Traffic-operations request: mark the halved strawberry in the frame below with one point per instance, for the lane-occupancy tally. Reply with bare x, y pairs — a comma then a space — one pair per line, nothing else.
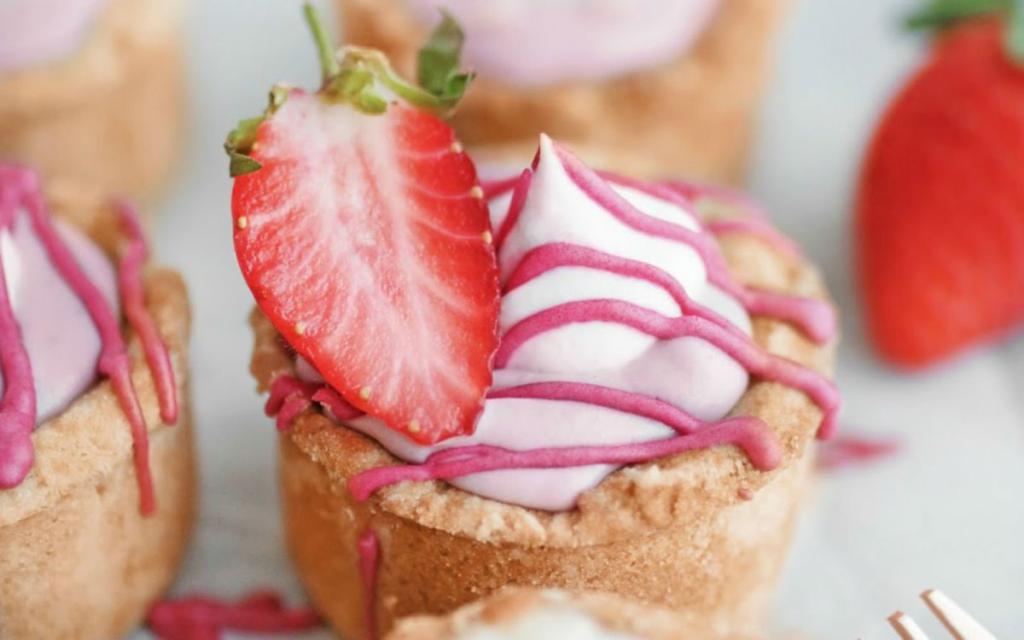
363, 234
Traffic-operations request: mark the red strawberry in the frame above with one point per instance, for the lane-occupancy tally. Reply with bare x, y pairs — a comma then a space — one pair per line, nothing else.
940, 218
362, 232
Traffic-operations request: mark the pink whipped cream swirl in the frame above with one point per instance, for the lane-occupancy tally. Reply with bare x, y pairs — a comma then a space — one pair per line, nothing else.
59, 326
624, 339
571, 40
34, 32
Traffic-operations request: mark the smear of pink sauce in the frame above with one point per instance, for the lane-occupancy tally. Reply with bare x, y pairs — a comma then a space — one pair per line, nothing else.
198, 617
846, 451
21, 186
368, 548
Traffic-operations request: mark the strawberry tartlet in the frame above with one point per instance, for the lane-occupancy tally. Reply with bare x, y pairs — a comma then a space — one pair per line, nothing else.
632, 86
92, 90
97, 475
562, 378
537, 614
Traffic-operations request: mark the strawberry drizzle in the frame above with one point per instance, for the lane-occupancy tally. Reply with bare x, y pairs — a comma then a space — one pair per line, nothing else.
521, 187
18, 406
130, 282
636, 404
751, 435
814, 317
743, 350
22, 188
199, 617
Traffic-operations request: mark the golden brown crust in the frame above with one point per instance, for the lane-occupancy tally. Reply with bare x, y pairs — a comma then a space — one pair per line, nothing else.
503, 608
675, 531
110, 115
76, 558
650, 123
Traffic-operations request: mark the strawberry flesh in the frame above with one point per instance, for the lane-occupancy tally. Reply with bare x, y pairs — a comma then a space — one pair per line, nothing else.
366, 242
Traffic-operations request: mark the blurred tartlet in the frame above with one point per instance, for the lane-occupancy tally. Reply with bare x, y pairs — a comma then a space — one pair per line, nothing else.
92, 526
93, 90
652, 89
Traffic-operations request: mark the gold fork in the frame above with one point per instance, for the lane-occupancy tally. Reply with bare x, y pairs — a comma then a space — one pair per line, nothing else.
958, 622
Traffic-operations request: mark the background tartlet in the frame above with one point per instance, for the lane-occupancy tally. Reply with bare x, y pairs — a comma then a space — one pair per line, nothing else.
77, 559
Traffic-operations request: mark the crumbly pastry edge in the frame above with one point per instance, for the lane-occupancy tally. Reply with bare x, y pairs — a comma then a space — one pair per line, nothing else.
635, 500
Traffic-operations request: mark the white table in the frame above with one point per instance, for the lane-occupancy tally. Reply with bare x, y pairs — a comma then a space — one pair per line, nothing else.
947, 512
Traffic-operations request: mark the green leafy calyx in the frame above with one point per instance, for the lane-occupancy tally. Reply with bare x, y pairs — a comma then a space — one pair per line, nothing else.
365, 79
943, 14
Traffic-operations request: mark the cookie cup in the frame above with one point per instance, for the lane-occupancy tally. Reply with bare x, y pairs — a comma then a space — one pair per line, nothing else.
702, 533
693, 116
111, 114
77, 560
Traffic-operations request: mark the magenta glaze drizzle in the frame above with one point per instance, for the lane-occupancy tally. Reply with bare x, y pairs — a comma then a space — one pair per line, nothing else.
368, 547
749, 355
515, 207
751, 435
544, 258
814, 317
198, 617
290, 396
130, 282
21, 186
636, 404
18, 406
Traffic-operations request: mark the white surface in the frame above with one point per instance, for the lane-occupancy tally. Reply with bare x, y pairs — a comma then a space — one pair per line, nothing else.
945, 513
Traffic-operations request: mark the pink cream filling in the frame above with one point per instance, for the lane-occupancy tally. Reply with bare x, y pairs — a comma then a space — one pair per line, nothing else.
34, 32
59, 326
624, 340
571, 40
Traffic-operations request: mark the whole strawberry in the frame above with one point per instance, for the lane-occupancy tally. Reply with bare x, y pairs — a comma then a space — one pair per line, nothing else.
940, 214
362, 231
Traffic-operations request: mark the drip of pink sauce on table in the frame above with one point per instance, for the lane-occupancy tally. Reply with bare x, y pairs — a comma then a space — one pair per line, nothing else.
198, 617
290, 397
850, 450
19, 188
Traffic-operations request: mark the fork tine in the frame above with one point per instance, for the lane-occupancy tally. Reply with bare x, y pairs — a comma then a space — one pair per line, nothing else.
958, 622
906, 627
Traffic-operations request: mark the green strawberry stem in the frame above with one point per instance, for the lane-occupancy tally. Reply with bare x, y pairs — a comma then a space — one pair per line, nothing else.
365, 79
329, 66
943, 14
361, 72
